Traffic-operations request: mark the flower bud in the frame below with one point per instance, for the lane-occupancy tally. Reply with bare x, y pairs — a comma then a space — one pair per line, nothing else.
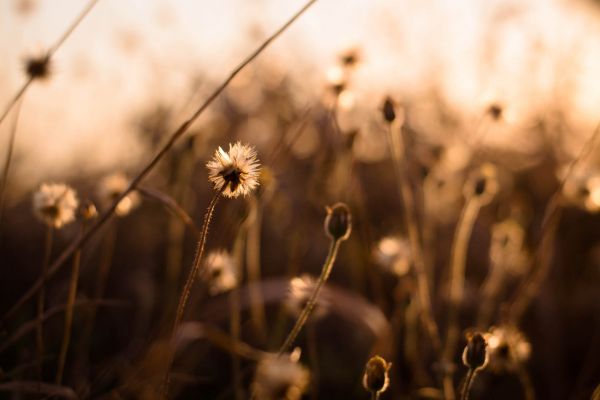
483, 184
338, 222
389, 113
475, 356
375, 378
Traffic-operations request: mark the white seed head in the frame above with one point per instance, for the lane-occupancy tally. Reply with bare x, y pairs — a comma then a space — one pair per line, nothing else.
111, 188
221, 272
393, 254
508, 348
300, 290
280, 378
55, 204
234, 172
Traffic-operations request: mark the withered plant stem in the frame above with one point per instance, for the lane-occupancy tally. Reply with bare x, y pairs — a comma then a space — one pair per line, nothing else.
312, 301
170, 204
543, 252
103, 218
424, 294
8, 160
21, 92
71, 296
187, 289
467, 385
42, 300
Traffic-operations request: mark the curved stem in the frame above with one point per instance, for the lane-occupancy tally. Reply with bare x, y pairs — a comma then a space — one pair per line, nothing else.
458, 259
312, 301
185, 294
171, 204
103, 218
467, 386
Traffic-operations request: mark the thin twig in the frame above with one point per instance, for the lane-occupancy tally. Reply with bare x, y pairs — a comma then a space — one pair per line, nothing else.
8, 161
171, 204
68, 252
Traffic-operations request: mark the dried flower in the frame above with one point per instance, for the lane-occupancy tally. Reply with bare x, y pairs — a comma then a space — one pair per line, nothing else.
88, 210
375, 377
280, 378
508, 347
475, 356
389, 112
236, 172
338, 222
55, 204
482, 184
301, 287
393, 253
583, 190
221, 272
111, 188
38, 67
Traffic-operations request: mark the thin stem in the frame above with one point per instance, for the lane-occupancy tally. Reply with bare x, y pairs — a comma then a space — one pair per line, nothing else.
41, 300
235, 313
424, 294
312, 301
253, 266
72, 294
103, 218
185, 294
49, 55
468, 383
172, 205
8, 161
458, 260
542, 256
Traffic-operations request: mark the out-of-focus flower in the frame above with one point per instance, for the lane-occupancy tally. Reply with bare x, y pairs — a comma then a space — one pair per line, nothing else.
508, 348
234, 172
280, 378
583, 190
301, 287
507, 249
221, 272
393, 253
482, 184
55, 204
111, 188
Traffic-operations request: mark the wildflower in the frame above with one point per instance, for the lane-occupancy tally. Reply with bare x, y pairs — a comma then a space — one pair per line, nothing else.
483, 184
88, 210
280, 378
111, 188
393, 253
508, 347
234, 172
583, 190
338, 222
375, 378
301, 287
475, 356
38, 67
221, 272
55, 204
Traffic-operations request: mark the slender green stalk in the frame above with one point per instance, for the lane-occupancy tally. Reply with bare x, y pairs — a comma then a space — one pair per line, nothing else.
41, 300
175, 136
312, 301
423, 291
72, 294
185, 294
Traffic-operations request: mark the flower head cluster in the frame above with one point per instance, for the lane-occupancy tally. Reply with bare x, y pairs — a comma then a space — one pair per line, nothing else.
221, 272
55, 204
235, 172
111, 188
508, 348
280, 378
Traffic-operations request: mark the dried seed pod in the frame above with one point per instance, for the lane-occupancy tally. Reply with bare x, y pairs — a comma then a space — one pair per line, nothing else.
338, 222
389, 112
475, 356
375, 378
482, 184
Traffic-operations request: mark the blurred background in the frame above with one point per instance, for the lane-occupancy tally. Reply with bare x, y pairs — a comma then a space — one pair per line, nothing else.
511, 83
